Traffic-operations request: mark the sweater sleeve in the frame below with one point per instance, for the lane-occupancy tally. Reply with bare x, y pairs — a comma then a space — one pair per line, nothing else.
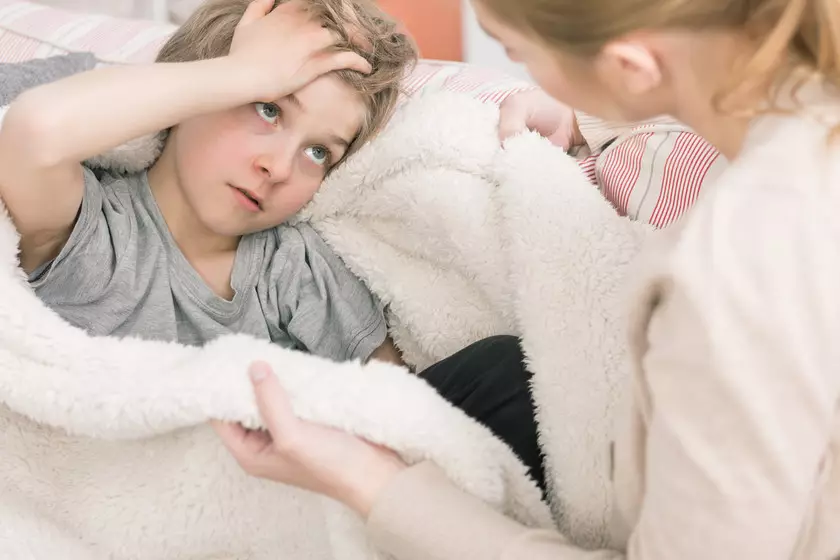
422, 516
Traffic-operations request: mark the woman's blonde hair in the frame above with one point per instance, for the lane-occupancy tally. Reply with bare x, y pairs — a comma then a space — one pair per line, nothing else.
792, 35
208, 33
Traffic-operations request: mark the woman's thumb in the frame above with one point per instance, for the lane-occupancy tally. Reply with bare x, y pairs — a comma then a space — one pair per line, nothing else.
273, 402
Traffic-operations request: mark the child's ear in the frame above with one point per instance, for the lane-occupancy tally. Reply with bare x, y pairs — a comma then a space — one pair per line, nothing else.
630, 67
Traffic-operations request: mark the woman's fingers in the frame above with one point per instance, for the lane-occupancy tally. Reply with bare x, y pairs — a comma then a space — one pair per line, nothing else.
251, 447
513, 118
275, 407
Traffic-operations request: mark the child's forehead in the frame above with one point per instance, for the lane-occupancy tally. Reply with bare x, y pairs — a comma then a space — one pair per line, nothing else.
329, 89
331, 101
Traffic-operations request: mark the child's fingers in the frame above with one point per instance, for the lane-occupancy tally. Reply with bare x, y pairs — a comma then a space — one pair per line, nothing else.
357, 38
256, 9
323, 39
330, 61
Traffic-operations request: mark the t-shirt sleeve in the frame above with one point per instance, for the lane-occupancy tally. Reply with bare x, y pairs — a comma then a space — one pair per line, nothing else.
84, 266
324, 307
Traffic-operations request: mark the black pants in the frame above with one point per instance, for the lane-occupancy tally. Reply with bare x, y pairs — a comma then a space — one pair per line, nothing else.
489, 382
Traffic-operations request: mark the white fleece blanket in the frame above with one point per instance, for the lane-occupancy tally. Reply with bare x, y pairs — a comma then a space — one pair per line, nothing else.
464, 239
105, 452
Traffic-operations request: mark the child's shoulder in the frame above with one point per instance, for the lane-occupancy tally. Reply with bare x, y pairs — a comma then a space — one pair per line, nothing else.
118, 197
294, 234
296, 245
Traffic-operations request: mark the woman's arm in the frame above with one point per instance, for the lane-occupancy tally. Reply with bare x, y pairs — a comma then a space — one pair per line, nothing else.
422, 515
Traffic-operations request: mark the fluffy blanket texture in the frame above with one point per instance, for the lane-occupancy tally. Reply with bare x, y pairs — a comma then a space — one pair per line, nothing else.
105, 451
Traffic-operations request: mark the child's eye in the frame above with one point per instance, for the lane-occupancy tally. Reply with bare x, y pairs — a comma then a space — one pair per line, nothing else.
318, 154
269, 112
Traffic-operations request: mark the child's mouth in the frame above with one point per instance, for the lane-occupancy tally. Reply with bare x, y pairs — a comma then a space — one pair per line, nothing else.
247, 199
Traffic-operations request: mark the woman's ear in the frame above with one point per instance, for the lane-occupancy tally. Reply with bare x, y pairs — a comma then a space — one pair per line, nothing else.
629, 67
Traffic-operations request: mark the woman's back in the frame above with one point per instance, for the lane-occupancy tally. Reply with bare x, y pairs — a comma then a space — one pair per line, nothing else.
738, 367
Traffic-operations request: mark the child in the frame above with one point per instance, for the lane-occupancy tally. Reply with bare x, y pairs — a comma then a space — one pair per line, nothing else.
194, 248
261, 102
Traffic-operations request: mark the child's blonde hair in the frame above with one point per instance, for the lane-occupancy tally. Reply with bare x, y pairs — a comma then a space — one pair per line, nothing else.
792, 35
208, 33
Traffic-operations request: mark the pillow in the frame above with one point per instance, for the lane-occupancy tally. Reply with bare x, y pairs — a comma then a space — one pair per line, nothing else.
30, 30
18, 77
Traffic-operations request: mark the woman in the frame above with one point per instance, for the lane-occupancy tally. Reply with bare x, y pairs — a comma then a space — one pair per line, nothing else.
729, 448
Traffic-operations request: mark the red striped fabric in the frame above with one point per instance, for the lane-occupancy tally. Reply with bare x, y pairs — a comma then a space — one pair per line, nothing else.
587, 165
622, 170
498, 96
17, 48
419, 77
38, 19
685, 171
471, 78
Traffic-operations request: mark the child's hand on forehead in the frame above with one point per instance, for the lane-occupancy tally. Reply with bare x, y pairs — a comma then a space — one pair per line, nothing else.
279, 51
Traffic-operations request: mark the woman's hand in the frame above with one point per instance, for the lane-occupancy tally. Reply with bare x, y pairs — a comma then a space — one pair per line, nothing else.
280, 50
536, 110
307, 455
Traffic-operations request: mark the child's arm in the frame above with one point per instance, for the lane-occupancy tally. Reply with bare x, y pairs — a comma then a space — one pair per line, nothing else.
51, 129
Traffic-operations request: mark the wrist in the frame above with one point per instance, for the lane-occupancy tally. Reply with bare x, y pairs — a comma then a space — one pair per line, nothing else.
363, 496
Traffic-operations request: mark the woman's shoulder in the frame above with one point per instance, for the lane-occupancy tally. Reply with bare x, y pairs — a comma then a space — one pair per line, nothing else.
765, 236
767, 227
786, 177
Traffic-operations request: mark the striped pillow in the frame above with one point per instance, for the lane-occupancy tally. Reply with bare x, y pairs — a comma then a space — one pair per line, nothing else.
654, 173
29, 30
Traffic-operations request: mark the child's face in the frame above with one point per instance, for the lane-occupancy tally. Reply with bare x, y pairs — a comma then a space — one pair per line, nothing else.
277, 153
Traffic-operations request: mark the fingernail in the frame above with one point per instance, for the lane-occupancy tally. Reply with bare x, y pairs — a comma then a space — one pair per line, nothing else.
258, 372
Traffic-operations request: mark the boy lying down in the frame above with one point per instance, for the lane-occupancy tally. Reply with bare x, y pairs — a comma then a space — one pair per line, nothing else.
261, 100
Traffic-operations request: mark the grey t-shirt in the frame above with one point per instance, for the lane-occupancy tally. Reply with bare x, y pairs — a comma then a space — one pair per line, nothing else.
121, 273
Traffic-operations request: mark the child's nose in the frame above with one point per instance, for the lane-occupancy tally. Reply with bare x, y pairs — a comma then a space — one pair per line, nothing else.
276, 165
